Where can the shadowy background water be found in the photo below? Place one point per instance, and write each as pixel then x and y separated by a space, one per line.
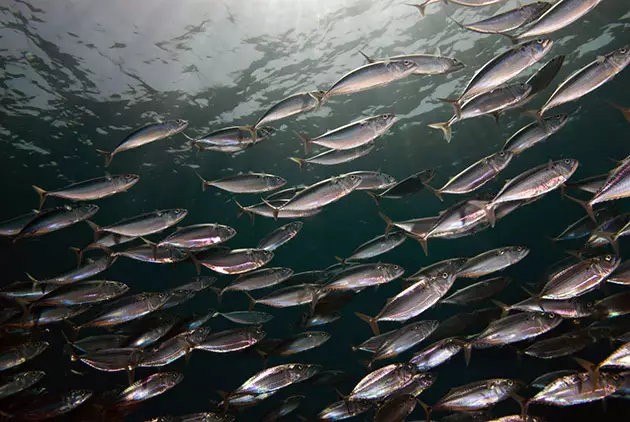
pixel 79 75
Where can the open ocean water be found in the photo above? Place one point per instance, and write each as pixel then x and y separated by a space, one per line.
pixel 77 76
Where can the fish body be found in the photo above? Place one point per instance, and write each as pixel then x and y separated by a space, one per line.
pixel 299 343
pixel 371 75
pixel 198 236
pixel 344 410
pixel 405 338
pixel 377 246
pixel 232 340
pixel 396 409
pixel 560 15
pixel 478 292
pixel 87 292
pixel 247 317
pixel 246 183
pixel 616 186
pixel 320 194
pixel 13 226
pixel 573 389
pixel 149 387
pixel 275 378
pixel 175 347
pixel 373 180
pixel 564 345
pixel 44 316
pixel 99 342
pixel 129 308
pixel 570 308
pixel 580 278
pixel 145 135
pixel 436 354
pixel 288 406
pixel 408 186
pixel 113 360
pixel 515 328
pixel 290 106
pixel 234 261
pixel 268 210
pixel 477 174
pixel 19 382
pixel 477 395
pixel 280 236
pixel 154 255
pixel 87 270
pixel 428 64
pixel 492 261
pixel 382 382
pixel 300 294
pixel 17 355
pixel 52 405
pixel 259 279
pixel 54 219
pixel 145 224
pixel 364 275
pixel 510 20
pixel 534 133
pixel 232 139
pixel 336 156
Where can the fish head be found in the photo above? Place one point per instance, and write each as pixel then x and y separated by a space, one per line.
pixel 452 65
pixel 425 176
pixel 285 272
pixel 612 381
pixel 620 58
pixel 274 182
pixel 522 90
pixel 294 227
pixel 301 372
pixel 349 182
pixel 261 256
pixel 171 379
pixel 177 126
pixel 318 95
pixel 505 386
pixel 197 336
pixel 202 282
pixel 391 271
pixel 500 160
pixel 175 215
pixel 402 67
pixel 555 123
pixel 256 333
pixel 76 397
pixel 114 288
pixel 128 179
pixel 383 122
pixel 386 179
pixel 583 309
pixel 156 300
pixel 606 264
pixel 566 167
pixel 225 232
pixel 86 210
pixel 548 319
pixel 537 49
pixel 514 253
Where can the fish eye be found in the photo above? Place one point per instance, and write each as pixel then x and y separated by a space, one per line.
pixel 623 50
pixel 552 316
pixel 502 154
pixel 589 305
pixel 510 382
pixel 379 267
pixel 444 275
pixel 520 248
pixel 540 41
pixel 608 257
pixel 406 62
pixel 567 161
pixel 558 116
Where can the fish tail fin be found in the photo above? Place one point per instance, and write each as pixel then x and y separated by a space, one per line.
pixel 536 114
pixel 467 352
pixel 553 240
pixel 368 58
pixel 586 205
pixel 196 145
pixel 340 260
pixel 252 301
pixel 435 192
pixel 421 7
pixel 33 279
pixel 95 228
pixel 426 407
pixel 454 103
pixel 108 156
pixel 424 243
pixel 242 210
pixel 375 196
pixel 504 308
pixel 624 110
pixel 354 348
pixel 195 262
pixel 488 210
pixel 373 322
pixel 276 210
pixel 299 161
pixel 592 368
pixel 522 403
pixel 388 221
pixel 305 140
pixel 219 292
pixel 513 38
pixel 79 253
pixel 42 195
pixel 445 127
pixel 204 182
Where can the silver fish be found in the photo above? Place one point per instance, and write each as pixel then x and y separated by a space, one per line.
pixel 145 135
pixel 234 261
pixel 344 410
pixel 620 358
pixel 44 316
pixel 353 134
pixel 396 409
pixel 153 254
pixel 247 317
pixel 232 139
pixel 492 261
pixel 113 360
pixel 13 226
pixel 476 175
pixel 232 340
pixel 88 190
pixel 364 275
pixel 144 224
pixel 87 292
pixel 198 236
pixel 298 343
pixel 514 328
pixel 621 275
pixel 419 383
pixel 267 210
pixel 175 347
pixel 259 279
pixel 589 78
pixel 408 186
pixel 491 102
pixel 383 382
pixel 290 296
pixel 560 15
pixel 52 405
pixel 510 20
pixel 405 338
pixel 373 180
pixel 54 219
pixel 377 246
pixel 87 270
pixel 198 417
pixel 19 382
pixel 470 3
pixel 578 279
pixel 564 345
pixel 17 355
pixel 280 236
pixel 290 106
pixel 288 405
pixel 477 292
pixel 477 395
pixel 571 308
pixel 436 354
pixel 336 156
pixel 129 308
pixel 100 342
pixel 245 183
pixel 149 387
pixel 371 75
pixel 428 64
pixel 534 133
pixel 275 378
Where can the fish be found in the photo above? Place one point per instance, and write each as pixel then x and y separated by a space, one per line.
pixel 175 347
pixel 621 275
pixel 198 236
pixel 492 261
pixel 298 343
pixel 588 78
pixel 477 292
pixel 153 254
pixel 105 242
pixel 412 301
pixel 451 265
pixel 319 318
pixel 89 190
pixel 375 247
pixel 144 224
pixel 44 316
pixel 376 342
pixel 564 345
pixel 415 227
pixel 128 308
pixel 300 294
pixel 358 277
pixel 332 157
pixel 540 382
pixel 373 180
pixel 419 383
pixel 87 270
pixel 502 68
pixel 382 382
pixel 532 183
pixel 589 184
pixel 21 381
pixel 406 187
pixel 266 209
pixel 624 110
pixel 612 306
pixel 396 409
pixel 13 226
pixel 560 15
pixel 540 80
pixel 232 139
pixel 232 340
pixel 578 279
pixel 259 279
pixel 319 194
pixel 86 292
pixel 48 221
pixel 428 64
pixel 245 183
pixel 510 20
pixel 570 308
pixel 371 75
pixel 404 339
pixel 491 102
pixel 470 3
pixel 113 360
pixel 234 261
pixel 199 417
pixel 94 343
pixel 247 317
pixel 620 358
pixel 343 410
pixel 288 406
pixel 353 134
pixel 294 104
pixel 477 395
pixel 583 227
pixel 145 135
pixel 535 133
pixel 436 354
pixel 275 378
pixel 280 236
pixel 17 355
pixel 52 405
pixel 476 175
pixel 147 388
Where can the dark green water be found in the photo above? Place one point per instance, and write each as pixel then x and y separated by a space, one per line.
pixel 76 76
